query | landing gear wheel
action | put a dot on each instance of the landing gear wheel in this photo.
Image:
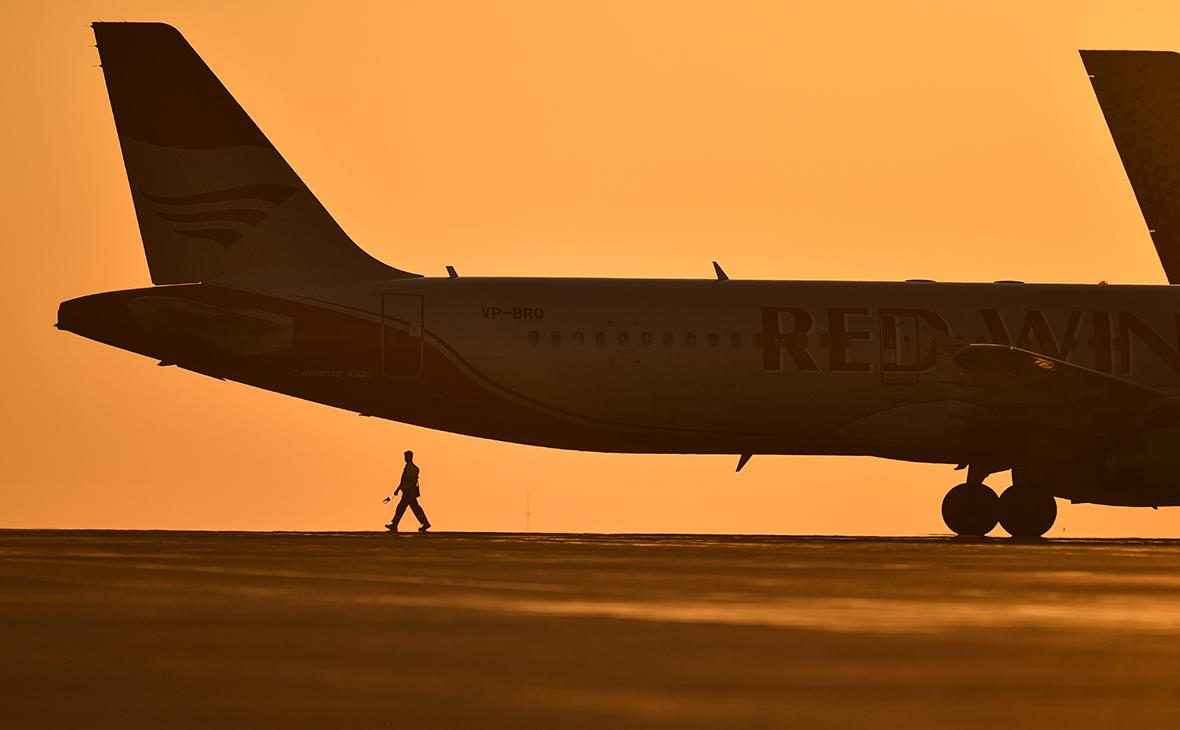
(971, 509)
(1026, 512)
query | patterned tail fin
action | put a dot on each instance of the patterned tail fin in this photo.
(214, 199)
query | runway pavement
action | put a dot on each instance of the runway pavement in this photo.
(178, 629)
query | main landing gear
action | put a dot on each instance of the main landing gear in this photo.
(973, 509)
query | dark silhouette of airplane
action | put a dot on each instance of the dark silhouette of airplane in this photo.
(1072, 387)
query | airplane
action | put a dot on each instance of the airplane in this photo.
(1072, 387)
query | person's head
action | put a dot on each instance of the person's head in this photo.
(409, 456)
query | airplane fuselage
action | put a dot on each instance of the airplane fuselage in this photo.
(668, 366)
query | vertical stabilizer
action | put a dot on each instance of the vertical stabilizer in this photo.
(214, 199)
(1139, 92)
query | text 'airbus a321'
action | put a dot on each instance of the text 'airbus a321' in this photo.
(1072, 387)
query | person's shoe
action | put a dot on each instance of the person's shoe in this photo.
(424, 528)
(391, 527)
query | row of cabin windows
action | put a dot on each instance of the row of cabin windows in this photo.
(623, 339)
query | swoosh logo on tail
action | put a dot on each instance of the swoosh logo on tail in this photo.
(272, 193)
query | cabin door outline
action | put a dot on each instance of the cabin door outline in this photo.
(901, 351)
(401, 335)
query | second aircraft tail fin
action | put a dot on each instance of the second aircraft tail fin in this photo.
(1139, 92)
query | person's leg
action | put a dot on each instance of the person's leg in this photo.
(419, 513)
(397, 513)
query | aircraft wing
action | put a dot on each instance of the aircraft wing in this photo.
(1012, 386)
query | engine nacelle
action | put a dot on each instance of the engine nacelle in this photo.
(1140, 469)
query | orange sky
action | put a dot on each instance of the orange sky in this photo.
(603, 138)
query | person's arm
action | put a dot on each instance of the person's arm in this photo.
(387, 499)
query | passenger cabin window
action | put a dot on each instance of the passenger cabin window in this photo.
(669, 339)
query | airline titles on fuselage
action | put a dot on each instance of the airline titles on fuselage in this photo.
(1111, 339)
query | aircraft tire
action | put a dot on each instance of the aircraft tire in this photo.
(1026, 512)
(971, 510)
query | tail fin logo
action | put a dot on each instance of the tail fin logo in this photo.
(221, 215)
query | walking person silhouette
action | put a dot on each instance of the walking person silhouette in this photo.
(410, 493)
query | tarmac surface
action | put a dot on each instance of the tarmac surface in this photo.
(179, 629)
